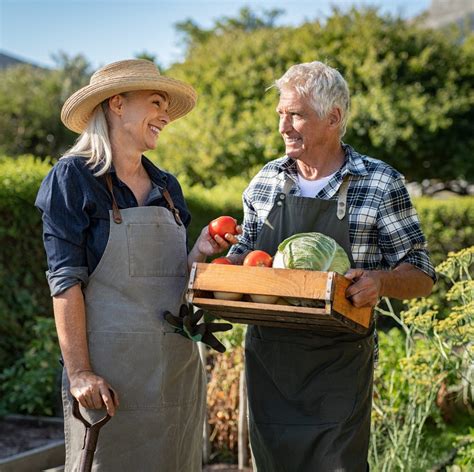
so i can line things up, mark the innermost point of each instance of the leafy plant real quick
(432, 350)
(30, 385)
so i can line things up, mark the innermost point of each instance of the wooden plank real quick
(260, 280)
(326, 329)
(255, 319)
(255, 307)
(361, 316)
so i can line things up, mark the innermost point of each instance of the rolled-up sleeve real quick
(65, 222)
(401, 239)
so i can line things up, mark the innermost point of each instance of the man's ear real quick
(335, 118)
(116, 104)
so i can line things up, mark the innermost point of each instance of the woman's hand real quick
(93, 392)
(206, 246)
(211, 246)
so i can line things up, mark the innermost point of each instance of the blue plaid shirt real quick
(384, 229)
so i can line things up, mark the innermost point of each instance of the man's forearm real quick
(70, 317)
(404, 282)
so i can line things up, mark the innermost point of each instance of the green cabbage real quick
(311, 251)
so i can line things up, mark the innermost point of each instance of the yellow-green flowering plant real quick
(430, 356)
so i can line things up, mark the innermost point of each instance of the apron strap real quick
(342, 198)
(287, 186)
(173, 209)
(117, 217)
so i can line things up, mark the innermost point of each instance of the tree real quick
(412, 96)
(247, 20)
(31, 99)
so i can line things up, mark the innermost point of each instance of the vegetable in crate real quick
(226, 295)
(259, 258)
(311, 251)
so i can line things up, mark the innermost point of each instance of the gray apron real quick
(157, 374)
(310, 394)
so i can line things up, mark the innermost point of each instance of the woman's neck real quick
(127, 166)
(127, 161)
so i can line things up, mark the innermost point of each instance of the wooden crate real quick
(336, 313)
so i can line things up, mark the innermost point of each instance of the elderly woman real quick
(115, 238)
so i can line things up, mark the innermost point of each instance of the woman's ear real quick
(116, 104)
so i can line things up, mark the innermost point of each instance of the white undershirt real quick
(310, 188)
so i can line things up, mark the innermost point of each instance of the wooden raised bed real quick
(335, 313)
(31, 444)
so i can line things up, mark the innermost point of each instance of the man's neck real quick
(327, 161)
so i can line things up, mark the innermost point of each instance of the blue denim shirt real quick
(75, 210)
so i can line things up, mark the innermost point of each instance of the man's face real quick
(302, 130)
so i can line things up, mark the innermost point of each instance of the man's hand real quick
(366, 289)
(403, 282)
(186, 324)
(93, 392)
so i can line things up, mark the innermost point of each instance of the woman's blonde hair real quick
(94, 142)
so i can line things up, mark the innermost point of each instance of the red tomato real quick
(222, 226)
(258, 258)
(222, 260)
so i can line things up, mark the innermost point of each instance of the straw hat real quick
(125, 76)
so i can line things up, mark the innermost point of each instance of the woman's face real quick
(143, 114)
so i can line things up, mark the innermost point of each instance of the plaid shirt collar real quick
(353, 165)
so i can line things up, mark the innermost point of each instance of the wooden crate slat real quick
(321, 320)
(256, 307)
(260, 280)
(278, 324)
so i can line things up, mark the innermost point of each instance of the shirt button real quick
(279, 204)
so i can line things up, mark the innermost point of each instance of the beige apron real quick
(157, 374)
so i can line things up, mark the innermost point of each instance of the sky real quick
(109, 30)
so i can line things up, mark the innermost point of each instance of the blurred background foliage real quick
(412, 106)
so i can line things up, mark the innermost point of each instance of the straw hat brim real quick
(78, 108)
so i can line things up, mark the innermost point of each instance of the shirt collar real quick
(157, 176)
(354, 164)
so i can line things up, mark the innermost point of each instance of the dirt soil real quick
(21, 435)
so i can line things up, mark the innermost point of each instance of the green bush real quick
(448, 224)
(412, 95)
(23, 288)
(30, 385)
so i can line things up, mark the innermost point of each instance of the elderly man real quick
(310, 394)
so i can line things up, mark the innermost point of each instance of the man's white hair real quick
(324, 86)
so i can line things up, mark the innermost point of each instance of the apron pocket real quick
(157, 250)
(131, 363)
(182, 369)
(302, 384)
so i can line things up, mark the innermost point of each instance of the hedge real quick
(24, 295)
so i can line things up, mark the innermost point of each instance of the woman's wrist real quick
(196, 256)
